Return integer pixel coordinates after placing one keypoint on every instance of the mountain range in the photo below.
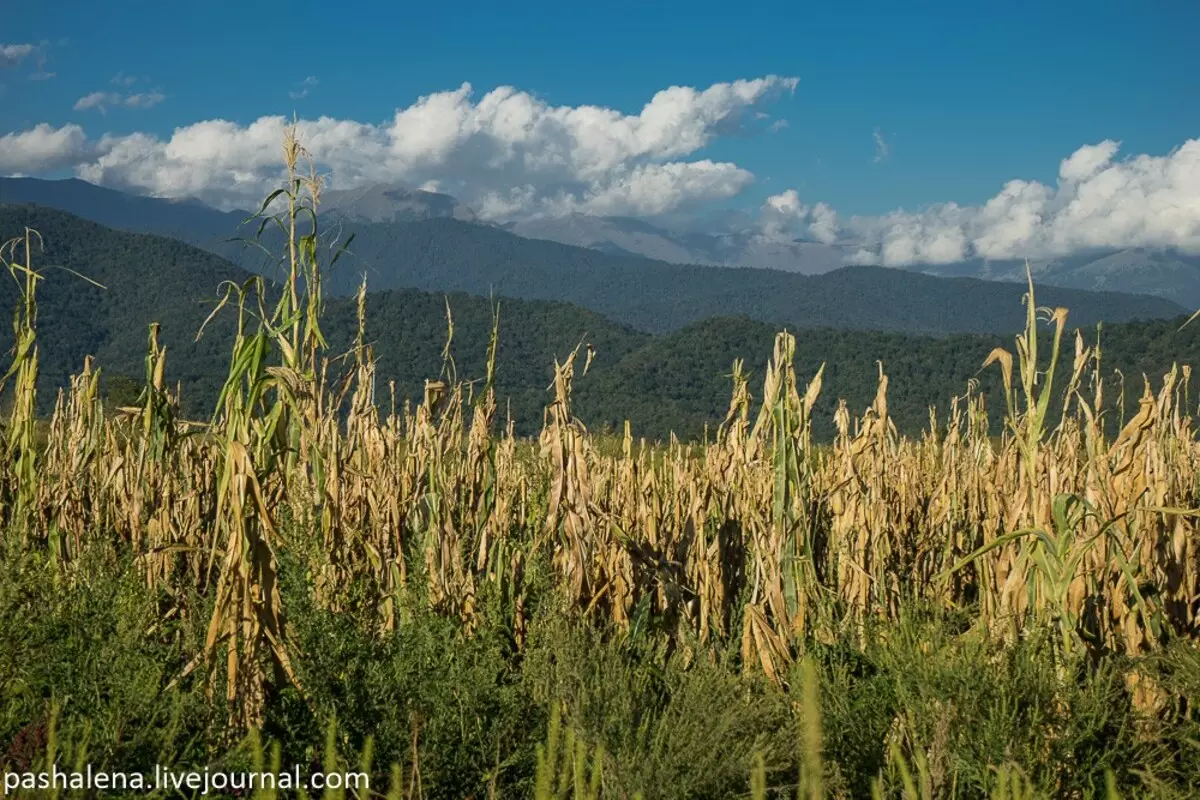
(427, 241)
(662, 383)
(1162, 272)
(1167, 273)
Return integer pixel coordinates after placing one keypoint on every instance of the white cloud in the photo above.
(102, 101)
(11, 55)
(1098, 202)
(507, 153)
(143, 99)
(43, 149)
(823, 224)
(97, 100)
(301, 90)
(653, 189)
(881, 146)
(783, 215)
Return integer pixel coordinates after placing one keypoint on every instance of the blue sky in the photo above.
(966, 95)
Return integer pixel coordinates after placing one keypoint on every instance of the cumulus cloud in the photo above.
(784, 216)
(43, 149)
(102, 101)
(507, 153)
(11, 55)
(1098, 202)
(510, 155)
(644, 191)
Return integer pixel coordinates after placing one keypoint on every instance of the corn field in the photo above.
(758, 536)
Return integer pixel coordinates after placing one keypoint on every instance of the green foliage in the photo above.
(122, 391)
(467, 713)
(673, 726)
(98, 657)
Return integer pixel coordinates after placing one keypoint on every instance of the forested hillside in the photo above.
(662, 383)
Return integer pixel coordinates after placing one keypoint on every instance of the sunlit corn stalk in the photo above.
(161, 497)
(497, 557)
(269, 420)
(19, 440)
(156, 436)
(1028, 421)
(1005, 575)
(872, 552)
(787, 574)
(247, 621)
(568, 522)
(69, 489)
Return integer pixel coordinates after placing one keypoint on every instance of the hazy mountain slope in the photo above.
(181, 219)
(385, 203)
(188, 221)
(447, 255)
(616, 235)
(1161, 272)
(1164, 273)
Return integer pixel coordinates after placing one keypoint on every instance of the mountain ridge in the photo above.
(443, 253)
(672, 382)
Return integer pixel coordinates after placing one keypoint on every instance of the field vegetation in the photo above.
(322, 575)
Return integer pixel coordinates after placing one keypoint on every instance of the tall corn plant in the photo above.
(268, 421)
(247, 621)
(792, 587)
(159, 410)
(293, 327)
(568, 524)
(1027, 421)
(1053, 566)
(18, 495)
(1052, 560)
(20, 448)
